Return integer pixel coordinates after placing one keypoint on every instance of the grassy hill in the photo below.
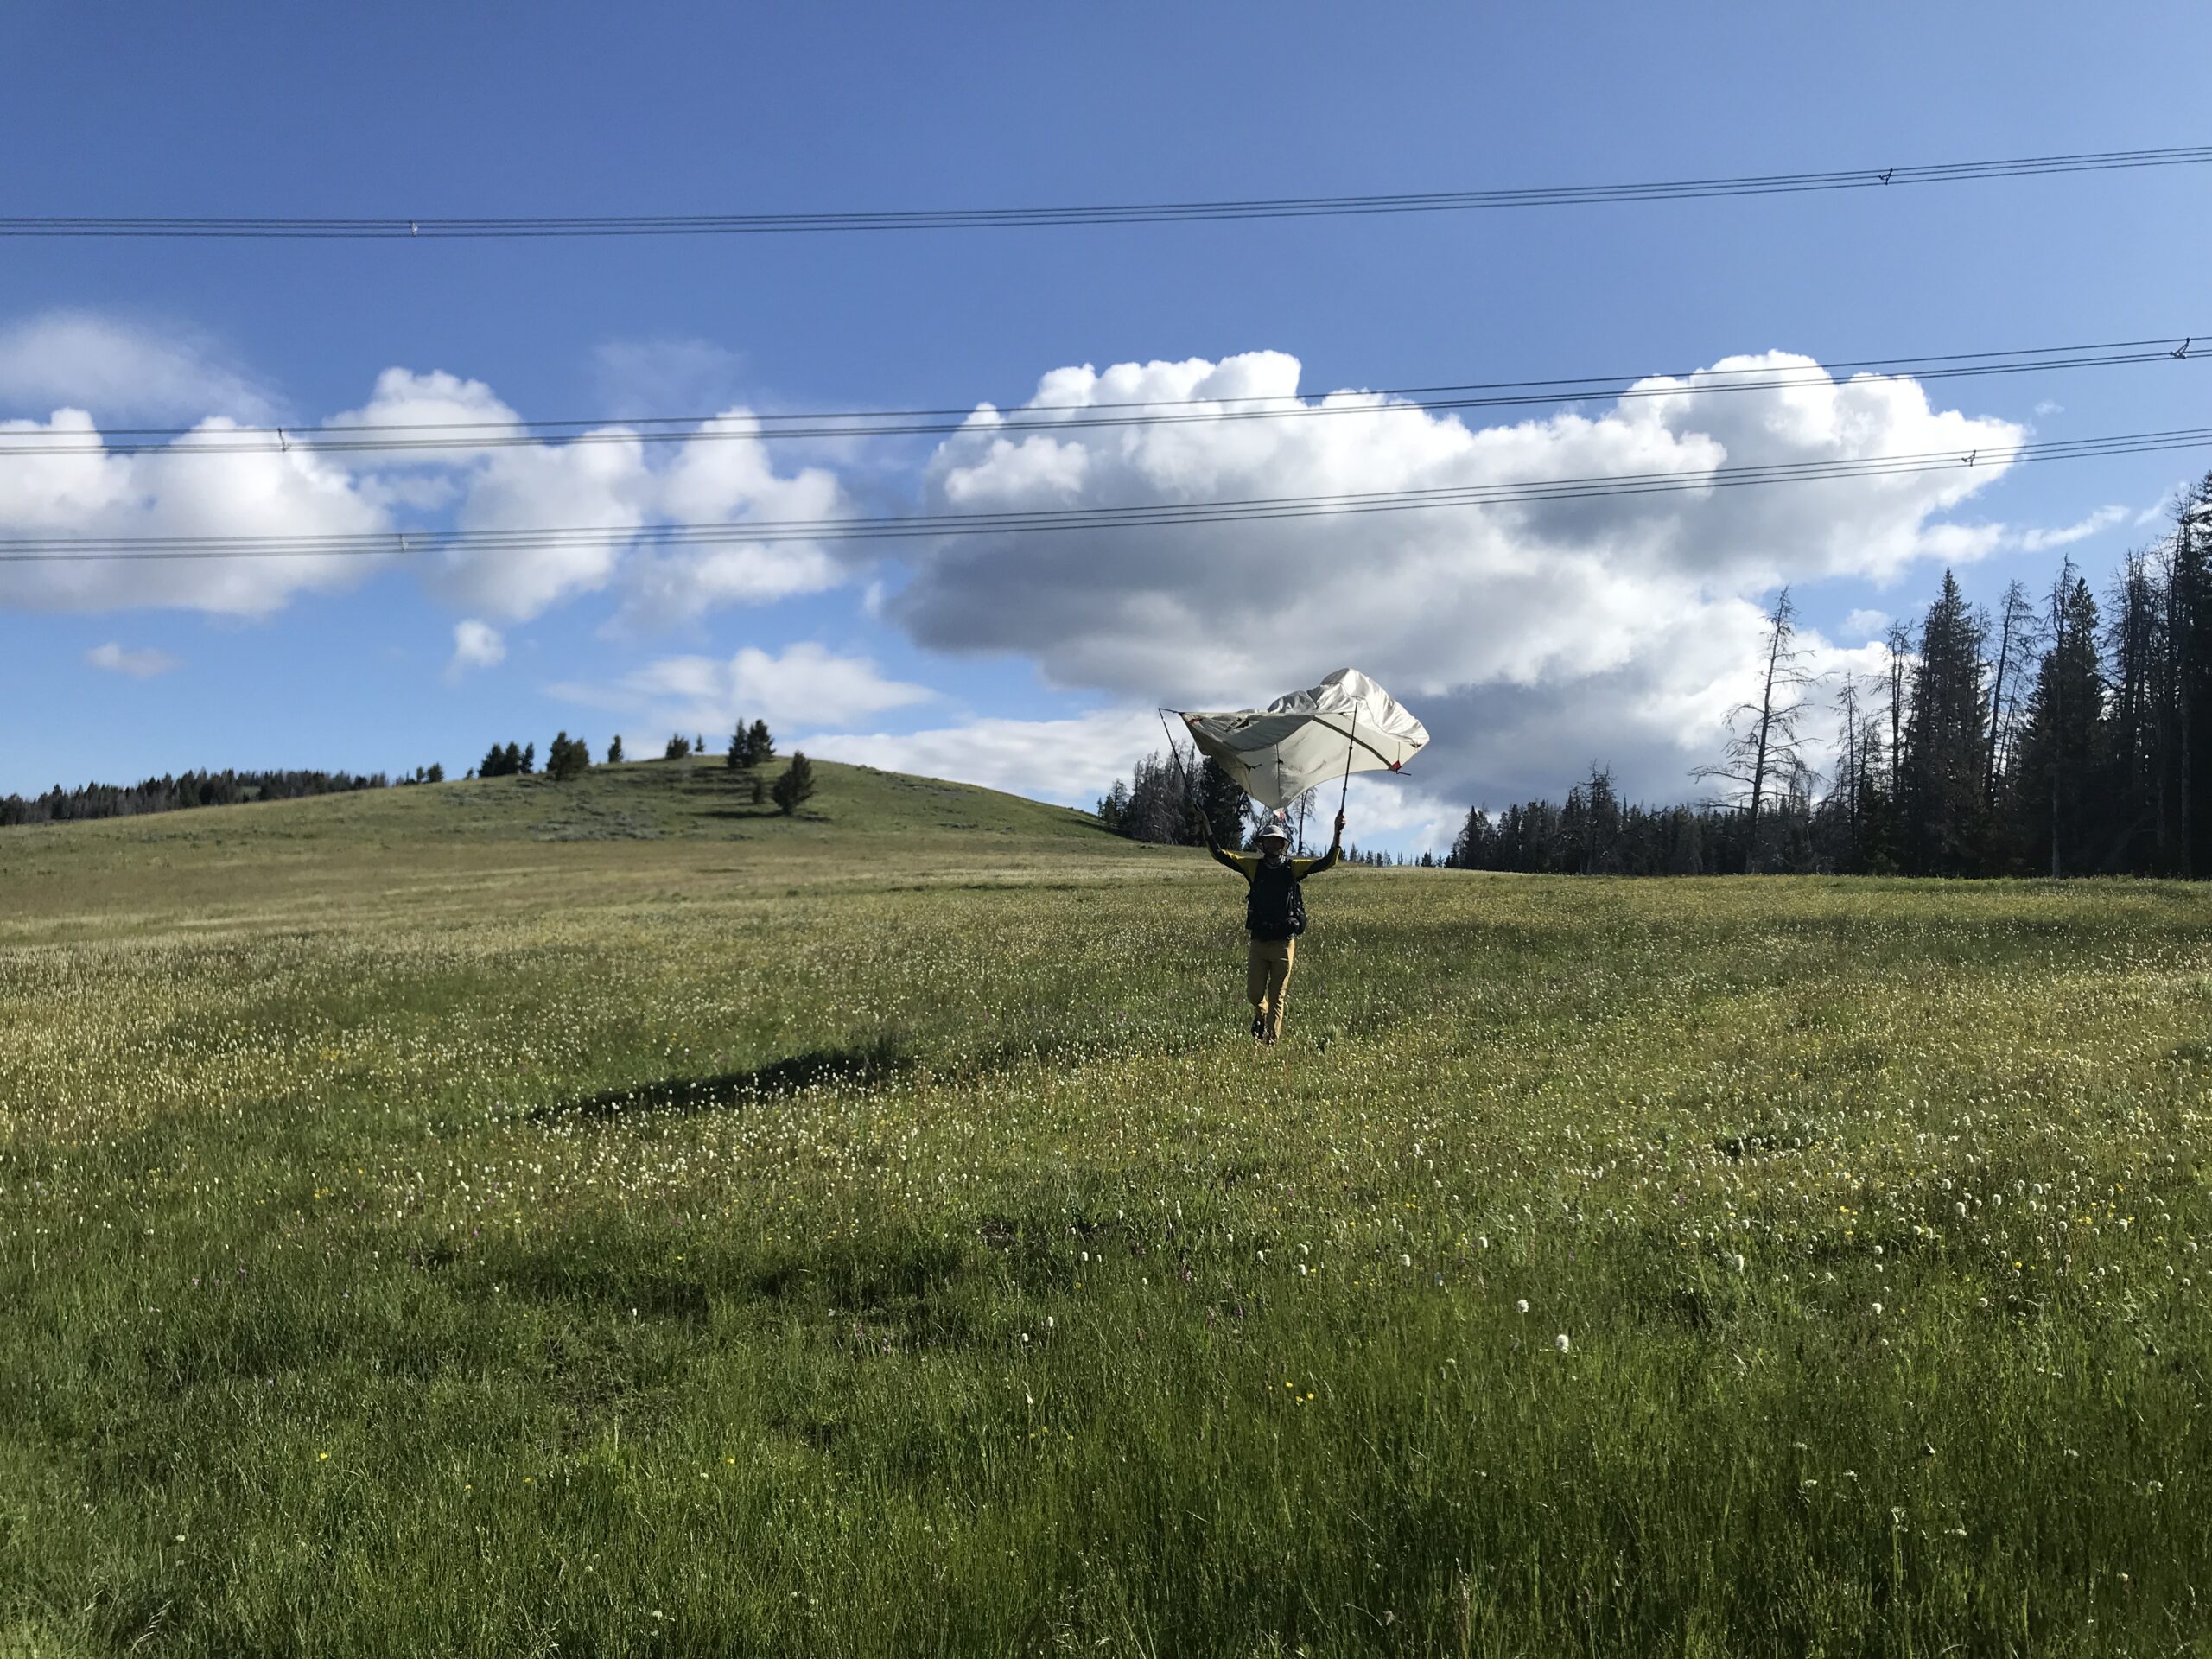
(638, 800)
(500, 1217)
(235, 862)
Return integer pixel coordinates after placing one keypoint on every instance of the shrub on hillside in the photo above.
(676, 749)
(796, 784)
(568, 759)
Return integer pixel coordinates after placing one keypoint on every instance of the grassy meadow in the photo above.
(498, 1219)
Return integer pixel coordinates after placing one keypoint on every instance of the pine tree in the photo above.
(677, 748)
(2189, 588)
(740, 749)
(1944, 815)
(796, 784)
(510, 760)
(2136, 647)
(2060, 780)
(1222, 803)
(567, 759)
(1476, 844)
(437, 772)
(529, 758)
(764, 747)
(493, 764)
(1114, 807)
(615, 751)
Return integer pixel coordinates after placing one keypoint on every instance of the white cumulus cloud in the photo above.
(169, 492)
(1533, 637)
(612, 493)
(613, 486)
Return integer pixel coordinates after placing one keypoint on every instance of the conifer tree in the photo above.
(1221, 802)
(1114, 806)
(615, 751)
(1945, 819)
(568, 759)
(796, 784)
(2060, 781)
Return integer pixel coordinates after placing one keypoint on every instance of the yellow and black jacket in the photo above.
(1273, 908)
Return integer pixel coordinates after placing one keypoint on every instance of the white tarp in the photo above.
(1307, 737)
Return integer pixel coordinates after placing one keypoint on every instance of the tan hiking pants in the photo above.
(1266, 980)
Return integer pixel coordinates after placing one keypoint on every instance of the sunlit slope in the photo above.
(678, 825)
(638, 800)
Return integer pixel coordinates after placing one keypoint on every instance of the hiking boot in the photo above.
(1258, 1028)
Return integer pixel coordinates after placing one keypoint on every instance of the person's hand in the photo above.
(1340, 826)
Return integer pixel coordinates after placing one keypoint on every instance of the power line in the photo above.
(385, 437)
(961, 218)
(387, 543)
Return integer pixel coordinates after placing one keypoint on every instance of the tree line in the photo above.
(175, 791)
(2059, 734)
(566, 760)
(2055, 735)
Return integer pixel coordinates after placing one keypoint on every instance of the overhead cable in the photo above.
(411, 543)
(390, 437)
(432, 228)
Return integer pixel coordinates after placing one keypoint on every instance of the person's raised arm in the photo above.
(1213, 846)
(1328, 860)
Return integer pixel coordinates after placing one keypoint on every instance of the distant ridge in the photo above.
(697, 796)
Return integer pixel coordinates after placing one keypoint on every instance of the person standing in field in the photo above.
(1275, 915)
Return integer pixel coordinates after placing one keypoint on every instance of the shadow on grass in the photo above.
(812, 1069)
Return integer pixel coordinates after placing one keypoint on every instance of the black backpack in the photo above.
(1274, 908)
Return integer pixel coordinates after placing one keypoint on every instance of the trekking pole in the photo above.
(1350, 743)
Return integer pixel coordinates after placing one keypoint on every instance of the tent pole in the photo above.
(1349, 743)
(1176, 755)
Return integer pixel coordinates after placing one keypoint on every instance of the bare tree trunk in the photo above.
(2185, 608)
(2057, 709)
(1997, 696)
(1899, 642)
(1778, 635)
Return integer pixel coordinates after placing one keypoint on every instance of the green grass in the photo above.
(496, 1218)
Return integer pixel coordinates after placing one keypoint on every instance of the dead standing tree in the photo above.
(2016, 639)
(1763, 735)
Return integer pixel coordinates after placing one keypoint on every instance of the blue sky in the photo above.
(1540, 647)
